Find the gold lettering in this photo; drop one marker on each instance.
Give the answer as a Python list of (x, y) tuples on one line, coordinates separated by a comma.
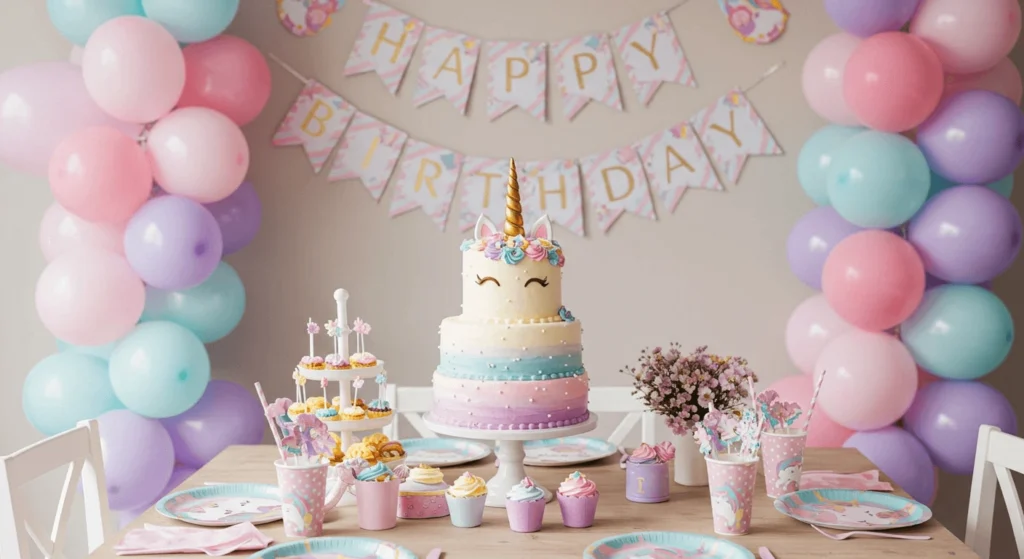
[(608, 183), (681, 162), (649, 53), (382, 38), (640, 485), (731, 132), (487, 186), (580, 72), (314, 115), (456, 69), (423, 178), (561, 191), (510, 75), (369, 153)]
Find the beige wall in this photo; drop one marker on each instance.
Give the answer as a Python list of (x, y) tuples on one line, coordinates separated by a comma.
[(712, 273)]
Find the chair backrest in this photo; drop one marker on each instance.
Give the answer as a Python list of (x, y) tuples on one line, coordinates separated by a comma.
[(81, 448), (411, 402), (998, 453)]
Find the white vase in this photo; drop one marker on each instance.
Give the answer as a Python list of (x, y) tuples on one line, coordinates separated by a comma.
[(690, 468)]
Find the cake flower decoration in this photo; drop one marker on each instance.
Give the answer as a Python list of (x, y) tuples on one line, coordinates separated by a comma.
[(356, 385), (300, 382), (332, 330), (323, 384), (312, 328)]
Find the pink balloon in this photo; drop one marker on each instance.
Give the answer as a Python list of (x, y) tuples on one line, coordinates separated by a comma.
[(198, 153), (824, 431), (133, 69), (873, 279), (101, 175), (41, 104), (823, 78), (892, 81), (870, 380), (811, 327), (62, 232), (226, 74), (89, 297), (1003, 78), (970, 36)]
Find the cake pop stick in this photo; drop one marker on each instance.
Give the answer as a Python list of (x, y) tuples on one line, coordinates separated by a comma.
[(312, 328), (331, 328), (323, 384), (296, 375), (381, 380), (356, 385)]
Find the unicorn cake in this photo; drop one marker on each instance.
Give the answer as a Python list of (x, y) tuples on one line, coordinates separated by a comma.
[(513, 358)]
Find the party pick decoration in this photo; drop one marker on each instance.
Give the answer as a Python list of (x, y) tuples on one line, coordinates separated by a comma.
[(356, 385), (323, 384), (332, 330), (361, 328), (312, 328), (814, 400), (297, 377), (382, 381)]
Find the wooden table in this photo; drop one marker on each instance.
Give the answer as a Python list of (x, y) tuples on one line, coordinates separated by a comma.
[(689, 510)]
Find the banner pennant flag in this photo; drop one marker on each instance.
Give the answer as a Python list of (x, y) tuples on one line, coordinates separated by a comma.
[(652, 54), (385, 45), (616, 183), (315, 121), (674, 161), (553, 187), (731, 130), (518, 78), (426, 179), (483, 191), (586, 71), (368, 152), (449, 64)]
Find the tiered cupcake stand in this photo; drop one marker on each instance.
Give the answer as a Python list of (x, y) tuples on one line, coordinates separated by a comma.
[(510, 451)]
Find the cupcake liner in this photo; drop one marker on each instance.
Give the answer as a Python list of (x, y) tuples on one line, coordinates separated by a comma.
[(578, 512), (377, 504), (466, 512), (525, 516), (422, 506)]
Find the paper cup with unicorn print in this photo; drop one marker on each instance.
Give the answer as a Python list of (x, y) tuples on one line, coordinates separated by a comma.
[(731, 478), (783, 454)]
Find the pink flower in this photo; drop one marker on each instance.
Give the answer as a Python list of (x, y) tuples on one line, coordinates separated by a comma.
[(665, 451), (323, 382), (312, 328), (316, 17), (357, 383), (361, 327), (534, 251), (278, 408)]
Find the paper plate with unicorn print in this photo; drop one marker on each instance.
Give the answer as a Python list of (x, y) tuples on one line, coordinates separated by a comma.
[(846, 509), (223, 505), (442, 453), (664, 545), (335, 548), (567, 451)]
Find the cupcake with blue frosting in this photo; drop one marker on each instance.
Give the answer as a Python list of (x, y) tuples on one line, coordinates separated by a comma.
[(524, 504)]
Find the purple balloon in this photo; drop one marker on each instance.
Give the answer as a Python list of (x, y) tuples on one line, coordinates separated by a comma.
[(864, 18), (239, 217), (900, 456), (973, 137), (137, 458), (811, 241), (967, 234), (173, 243), (227, 414), (178, 475), (946, 416)]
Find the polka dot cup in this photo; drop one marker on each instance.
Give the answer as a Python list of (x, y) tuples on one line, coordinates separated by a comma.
[(303, 492), (731, 479), (783, 454)]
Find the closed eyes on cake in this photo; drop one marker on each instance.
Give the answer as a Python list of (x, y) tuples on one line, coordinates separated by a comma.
[(481, 281), (542, 282)]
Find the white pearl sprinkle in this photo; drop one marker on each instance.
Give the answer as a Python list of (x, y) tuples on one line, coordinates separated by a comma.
[(543, 389), (542, 330), (531, 400), (566, 393), (549, 416), (506, 406), (536, 388), (503, 338), (502, 392), (524, 348), (551, 356)]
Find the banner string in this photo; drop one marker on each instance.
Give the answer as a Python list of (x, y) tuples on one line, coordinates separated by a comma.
[(765, 75)]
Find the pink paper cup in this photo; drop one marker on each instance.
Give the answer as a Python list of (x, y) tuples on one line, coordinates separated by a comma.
[(377, 504), (578, 512), (731, 480), (303, 489), (525, 516), (783, 454)]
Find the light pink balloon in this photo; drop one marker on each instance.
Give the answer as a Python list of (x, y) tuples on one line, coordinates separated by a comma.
[(62, 232), (824, 432), (870, 380), (89, 297), (226, 74), (198, 153), (811, 327), (40, 104), (823, 78), (1003, 78), (969, 36), (99, 174), (133, 69)]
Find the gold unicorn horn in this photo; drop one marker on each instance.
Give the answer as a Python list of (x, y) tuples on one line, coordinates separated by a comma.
[(513, 209)]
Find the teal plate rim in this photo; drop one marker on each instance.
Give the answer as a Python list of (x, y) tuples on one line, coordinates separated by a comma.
[(259, 490), (334, 545), (887, 500), (736, 551)]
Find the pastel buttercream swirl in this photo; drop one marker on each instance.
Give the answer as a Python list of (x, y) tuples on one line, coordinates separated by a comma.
[(363, 358), (336, 360), (513, 250), (534, 251), (314, 360), (525, 491), (645, 454), (512, 255), (426, 475), (577, 485), (326, 412), (380, 405), (468, 485), (492, 249), (665, 451), (374, 472)]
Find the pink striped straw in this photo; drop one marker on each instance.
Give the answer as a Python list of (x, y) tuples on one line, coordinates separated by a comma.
[(270, 422), (814, 400)]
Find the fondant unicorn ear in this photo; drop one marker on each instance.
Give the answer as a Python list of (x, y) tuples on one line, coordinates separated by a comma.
[(484, 228), (541, 229)]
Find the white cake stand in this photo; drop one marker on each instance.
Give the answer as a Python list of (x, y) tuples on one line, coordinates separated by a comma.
[(510, 452)]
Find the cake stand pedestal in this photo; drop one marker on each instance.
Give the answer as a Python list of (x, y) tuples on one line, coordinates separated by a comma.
[(510, 452)]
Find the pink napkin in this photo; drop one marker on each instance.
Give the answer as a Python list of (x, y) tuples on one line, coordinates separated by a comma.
[(823, 479), (153, 540)]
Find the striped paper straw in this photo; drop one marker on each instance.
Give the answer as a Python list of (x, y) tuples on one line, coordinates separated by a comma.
[(270, 422), (814, 400)]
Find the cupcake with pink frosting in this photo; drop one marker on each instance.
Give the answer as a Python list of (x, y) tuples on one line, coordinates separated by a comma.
[(524, 504), (657, 454), (577, 497)]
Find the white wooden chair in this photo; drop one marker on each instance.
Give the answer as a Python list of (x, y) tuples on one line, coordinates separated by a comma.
[(411, 402), (81, 448), (998, 453)]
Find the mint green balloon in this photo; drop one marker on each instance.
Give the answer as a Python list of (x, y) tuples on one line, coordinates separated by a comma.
[(211, 310), (878, 180), (66, 388), (816, 158), (959, 332), (101, 351), (1003, 186)]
